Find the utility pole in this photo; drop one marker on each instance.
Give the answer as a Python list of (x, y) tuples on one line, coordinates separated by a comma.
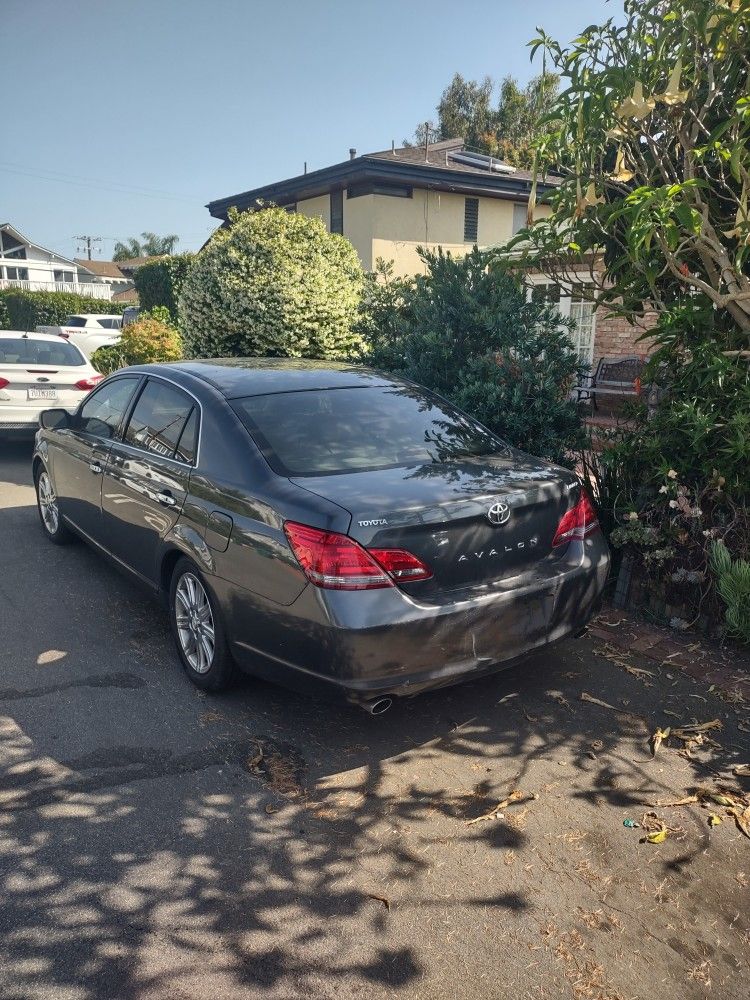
[(87, 241)]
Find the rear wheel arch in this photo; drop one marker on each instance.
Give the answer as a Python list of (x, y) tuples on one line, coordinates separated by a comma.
[(168, 563)]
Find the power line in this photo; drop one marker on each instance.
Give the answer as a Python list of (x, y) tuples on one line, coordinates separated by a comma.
[(89, 183)]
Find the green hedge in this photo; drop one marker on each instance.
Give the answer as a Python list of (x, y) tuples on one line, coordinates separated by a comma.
[(159, 282), (27, 310)]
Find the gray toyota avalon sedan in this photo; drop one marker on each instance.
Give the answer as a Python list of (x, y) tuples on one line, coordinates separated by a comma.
[(322, 525)]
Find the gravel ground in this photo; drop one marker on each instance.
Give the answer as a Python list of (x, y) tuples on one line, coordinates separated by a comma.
[(159, 843)]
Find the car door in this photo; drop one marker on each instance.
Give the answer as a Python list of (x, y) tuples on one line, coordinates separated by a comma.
[(147, 474), (78, 454)]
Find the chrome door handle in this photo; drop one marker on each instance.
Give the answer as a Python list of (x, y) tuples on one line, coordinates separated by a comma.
[(96, 468), (166, 499)]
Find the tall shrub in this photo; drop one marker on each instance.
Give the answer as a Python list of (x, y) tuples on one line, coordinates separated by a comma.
[(273, 283), (27, 310), (467, 332), (159, 282)]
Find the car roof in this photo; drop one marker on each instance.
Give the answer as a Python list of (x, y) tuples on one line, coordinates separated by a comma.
[(238, 377), (32, 335)]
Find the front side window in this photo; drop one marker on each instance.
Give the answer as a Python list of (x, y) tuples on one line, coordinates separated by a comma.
[(44, 353), (328, 431), (103, 411), (158, 419)]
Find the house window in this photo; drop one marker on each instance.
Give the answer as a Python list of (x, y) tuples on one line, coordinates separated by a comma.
[(570, 301), (545, 292), (471, 220), (519, 217), (10, 247), (337, 211), (17, 273), (583, 314), (390, 190), (64, 276)]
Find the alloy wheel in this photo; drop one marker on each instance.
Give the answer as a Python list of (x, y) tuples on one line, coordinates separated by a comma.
[(48, 504), (195, 623)]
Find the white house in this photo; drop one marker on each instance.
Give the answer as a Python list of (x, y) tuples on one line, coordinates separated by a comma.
[(28, 266)]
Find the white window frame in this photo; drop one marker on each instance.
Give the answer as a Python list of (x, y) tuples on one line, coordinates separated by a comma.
[(583, 336)]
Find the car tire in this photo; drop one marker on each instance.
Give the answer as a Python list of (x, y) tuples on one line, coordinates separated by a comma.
[(198, 629), (49, 512)]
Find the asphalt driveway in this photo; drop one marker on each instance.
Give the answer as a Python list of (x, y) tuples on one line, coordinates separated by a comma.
[(159, 843)]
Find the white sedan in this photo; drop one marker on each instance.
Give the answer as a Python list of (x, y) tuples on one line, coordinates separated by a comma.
[(38, 371)]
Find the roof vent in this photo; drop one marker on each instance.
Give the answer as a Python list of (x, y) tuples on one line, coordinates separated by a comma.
[(352, 153), (482, 162)]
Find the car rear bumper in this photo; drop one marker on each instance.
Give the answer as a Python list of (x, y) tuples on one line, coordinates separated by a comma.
[(362, 645)]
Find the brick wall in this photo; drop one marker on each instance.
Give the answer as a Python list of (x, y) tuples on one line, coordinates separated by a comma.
[(614, 337)]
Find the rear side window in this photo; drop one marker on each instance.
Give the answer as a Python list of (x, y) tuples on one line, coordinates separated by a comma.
[(44, 353), (187, 446), (104, 409), (75, 321), (328, 431), (159, 419)]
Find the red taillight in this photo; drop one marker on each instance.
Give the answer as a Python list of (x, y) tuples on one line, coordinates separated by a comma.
[(84, 384), (3, 383), (65, 336), (337, 562), (577, 523), (401, 565)]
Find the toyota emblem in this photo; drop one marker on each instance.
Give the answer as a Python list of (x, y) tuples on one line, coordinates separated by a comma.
[(499, 513)]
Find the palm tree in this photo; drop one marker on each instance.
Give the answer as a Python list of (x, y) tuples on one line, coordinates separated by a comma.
[(152, 246)]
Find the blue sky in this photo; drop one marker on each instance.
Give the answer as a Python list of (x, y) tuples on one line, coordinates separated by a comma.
[(132, 115)]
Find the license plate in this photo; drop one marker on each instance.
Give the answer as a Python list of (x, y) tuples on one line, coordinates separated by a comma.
[(35, 393)]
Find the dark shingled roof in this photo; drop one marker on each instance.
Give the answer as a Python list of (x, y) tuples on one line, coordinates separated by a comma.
[(435, 168)]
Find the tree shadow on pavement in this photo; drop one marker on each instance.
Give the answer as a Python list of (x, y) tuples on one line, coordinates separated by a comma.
[(155, 842), (291, 848)]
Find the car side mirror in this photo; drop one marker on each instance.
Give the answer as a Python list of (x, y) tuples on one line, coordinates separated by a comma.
[(55, 419)]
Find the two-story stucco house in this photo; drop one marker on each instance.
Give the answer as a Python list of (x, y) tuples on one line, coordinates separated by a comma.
[(389, 203)]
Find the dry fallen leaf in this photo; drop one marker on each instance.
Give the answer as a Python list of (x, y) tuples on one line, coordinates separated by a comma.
[(743, 819), (658, 837), (742, 771), (271, 809), (686, 801), (656, 739), (714, 820), (693, 728), (515, 796), (380, 899), (729, 801)]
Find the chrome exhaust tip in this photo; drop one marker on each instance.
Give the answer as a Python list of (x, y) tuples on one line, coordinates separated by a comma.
[(377, 706)]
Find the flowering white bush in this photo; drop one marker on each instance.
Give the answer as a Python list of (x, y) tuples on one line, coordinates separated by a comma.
[(273, 284)]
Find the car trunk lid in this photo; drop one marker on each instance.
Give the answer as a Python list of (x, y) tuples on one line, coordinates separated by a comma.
[(472, 521)]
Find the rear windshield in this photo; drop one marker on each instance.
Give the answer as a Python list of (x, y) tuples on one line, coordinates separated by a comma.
[(58, 353), (328, 431)]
